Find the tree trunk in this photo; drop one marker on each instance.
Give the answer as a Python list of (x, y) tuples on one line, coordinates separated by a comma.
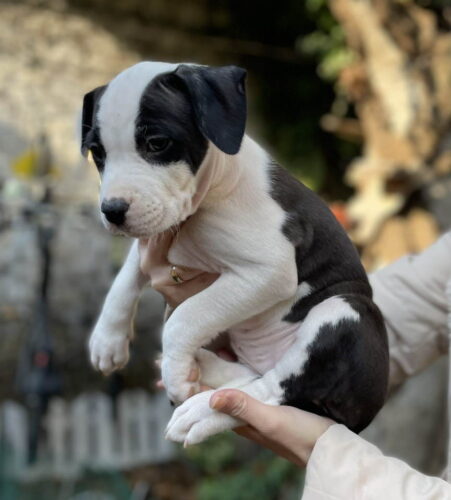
[(400, 84)]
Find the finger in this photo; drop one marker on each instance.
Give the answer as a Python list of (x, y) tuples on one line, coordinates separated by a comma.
[(248, 432), (257, 437), (194, 375), (253, 434), (158, 363), (240, 405), (159, 384)]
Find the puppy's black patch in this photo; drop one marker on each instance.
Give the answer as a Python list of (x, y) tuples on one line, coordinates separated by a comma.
[(218, 97), (326, 259), (346, 375), (165, 112), (181, 111), (90, 134)]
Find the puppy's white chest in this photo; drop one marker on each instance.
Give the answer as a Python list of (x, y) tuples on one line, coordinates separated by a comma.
[(191, 248)]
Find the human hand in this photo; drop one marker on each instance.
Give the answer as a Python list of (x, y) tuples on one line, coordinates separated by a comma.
[(195, 373), (287, 431)]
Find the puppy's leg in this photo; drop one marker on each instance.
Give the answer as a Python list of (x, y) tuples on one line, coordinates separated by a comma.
[(109, 341), (345, 376), (215, 372), (334, 322), (199, 319), (194, 421)]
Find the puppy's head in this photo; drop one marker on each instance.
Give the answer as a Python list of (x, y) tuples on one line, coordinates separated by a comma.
[(148, 132)]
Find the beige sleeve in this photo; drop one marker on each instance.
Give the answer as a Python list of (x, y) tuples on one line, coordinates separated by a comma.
[(344, 466), (413, 294)]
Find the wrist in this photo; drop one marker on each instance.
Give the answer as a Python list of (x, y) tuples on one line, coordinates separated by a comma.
[(113, 328), (321, 425)]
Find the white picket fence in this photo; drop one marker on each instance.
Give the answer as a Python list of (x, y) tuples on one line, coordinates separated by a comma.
[(86, 433)]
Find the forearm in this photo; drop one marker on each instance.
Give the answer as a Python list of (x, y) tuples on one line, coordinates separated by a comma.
[(343, 465), (412, 296)]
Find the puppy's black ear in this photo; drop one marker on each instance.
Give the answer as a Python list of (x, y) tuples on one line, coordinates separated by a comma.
[(218, 97), (90, 102)]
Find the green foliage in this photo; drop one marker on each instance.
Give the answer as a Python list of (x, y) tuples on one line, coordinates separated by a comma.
[(326, 43), (289, 96), (94, 485), (264, 479), (230, 469), (334, 61), (214, 455)]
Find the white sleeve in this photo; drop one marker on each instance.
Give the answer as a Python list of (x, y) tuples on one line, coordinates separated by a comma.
[(414, 295), (343, 466)]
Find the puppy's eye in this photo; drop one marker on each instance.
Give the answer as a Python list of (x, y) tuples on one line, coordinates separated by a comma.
[(157, 144)]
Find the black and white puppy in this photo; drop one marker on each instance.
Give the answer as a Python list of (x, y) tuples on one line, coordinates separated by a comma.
[(291, 293)]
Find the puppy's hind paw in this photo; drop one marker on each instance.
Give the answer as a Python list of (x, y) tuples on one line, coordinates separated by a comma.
[(194, 421)]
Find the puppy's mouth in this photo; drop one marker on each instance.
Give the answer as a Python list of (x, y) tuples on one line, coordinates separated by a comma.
[(144, 219), (139, 228)]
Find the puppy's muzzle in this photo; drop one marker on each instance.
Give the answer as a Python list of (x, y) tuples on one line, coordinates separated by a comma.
[(115, 210)]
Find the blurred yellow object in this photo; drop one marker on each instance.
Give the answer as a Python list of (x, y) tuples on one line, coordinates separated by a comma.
[(35, 162), (26, 165)]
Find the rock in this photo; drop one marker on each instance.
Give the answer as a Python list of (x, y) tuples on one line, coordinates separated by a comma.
[(42, 87)]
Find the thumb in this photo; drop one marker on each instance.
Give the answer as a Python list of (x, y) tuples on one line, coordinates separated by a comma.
[(240, 405)]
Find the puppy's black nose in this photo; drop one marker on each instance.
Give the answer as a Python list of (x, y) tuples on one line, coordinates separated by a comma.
[(115, 210)]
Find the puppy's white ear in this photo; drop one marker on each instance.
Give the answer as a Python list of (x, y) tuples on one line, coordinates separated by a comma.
[(90, 106), (218, 97)]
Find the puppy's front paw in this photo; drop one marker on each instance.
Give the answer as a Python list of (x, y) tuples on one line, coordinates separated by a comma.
[(108, 350), (178, 380), (194, 421)]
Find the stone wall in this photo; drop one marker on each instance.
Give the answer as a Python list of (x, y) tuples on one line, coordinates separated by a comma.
[(44, 74)]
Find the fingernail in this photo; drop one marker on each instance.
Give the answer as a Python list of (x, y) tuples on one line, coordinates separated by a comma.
[(218, 402)]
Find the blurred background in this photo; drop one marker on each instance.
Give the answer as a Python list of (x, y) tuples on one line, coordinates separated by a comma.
[(354, 97)]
